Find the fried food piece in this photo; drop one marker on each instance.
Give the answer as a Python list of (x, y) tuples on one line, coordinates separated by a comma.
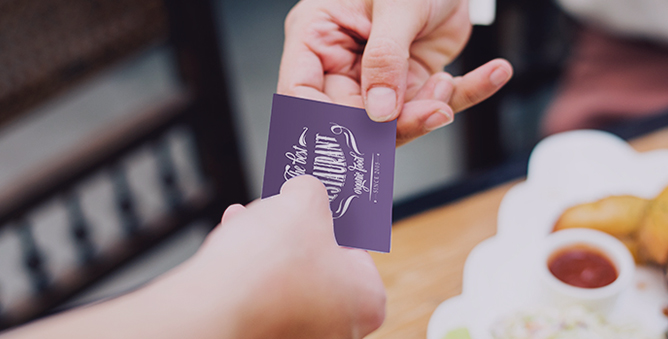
[(634, 247), (653, 232), (619, 216)]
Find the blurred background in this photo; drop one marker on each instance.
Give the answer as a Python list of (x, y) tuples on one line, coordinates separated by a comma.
[(126, 127)]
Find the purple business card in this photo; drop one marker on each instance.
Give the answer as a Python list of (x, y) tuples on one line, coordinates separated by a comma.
[(352, 156)]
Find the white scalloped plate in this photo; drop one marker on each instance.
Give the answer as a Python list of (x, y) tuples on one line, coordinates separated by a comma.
[(564, 170)]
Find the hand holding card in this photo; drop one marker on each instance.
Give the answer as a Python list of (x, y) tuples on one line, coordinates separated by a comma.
[(348, 152)]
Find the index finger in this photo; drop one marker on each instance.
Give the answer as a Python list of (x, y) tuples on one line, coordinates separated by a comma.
[(301, 73)]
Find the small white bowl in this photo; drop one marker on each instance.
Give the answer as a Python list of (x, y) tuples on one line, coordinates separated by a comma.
[(600, 299)]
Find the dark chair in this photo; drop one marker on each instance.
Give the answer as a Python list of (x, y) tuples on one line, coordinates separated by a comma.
[(49, 46)]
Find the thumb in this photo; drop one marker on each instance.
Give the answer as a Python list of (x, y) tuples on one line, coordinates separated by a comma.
[(395, 24), (308, 192)]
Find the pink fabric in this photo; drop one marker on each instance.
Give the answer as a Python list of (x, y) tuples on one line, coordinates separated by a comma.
[(609, 79)]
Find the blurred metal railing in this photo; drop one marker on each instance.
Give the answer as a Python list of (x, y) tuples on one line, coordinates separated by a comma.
[(34, 278)]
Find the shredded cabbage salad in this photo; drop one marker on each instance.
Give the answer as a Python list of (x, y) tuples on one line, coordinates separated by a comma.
[(575, 322)]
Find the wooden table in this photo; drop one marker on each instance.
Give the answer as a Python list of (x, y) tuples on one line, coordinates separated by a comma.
[(429, 250)]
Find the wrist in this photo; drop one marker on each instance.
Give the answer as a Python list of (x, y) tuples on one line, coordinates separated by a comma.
[(184, 304), (209, 300)]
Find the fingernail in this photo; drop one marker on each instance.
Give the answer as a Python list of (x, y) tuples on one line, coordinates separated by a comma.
[(499, 76), (381, 103), (437, 120)]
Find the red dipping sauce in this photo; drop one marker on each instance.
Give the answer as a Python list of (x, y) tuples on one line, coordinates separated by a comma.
[(582, 266)]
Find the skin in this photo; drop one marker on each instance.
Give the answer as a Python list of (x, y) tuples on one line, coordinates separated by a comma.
[(270, 270), (386, 56), (273, 269)]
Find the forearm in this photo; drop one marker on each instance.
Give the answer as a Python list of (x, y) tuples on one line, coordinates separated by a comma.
[(170, 307)]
